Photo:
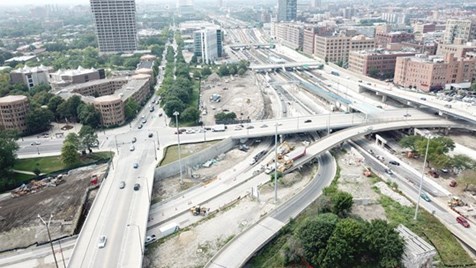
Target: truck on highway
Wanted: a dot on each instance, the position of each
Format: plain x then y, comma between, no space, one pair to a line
257,157
169,229
219,128
287,161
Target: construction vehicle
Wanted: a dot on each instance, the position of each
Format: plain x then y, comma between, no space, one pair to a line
198,210
367,172
455,202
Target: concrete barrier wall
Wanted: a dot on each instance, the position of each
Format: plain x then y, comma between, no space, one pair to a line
195,159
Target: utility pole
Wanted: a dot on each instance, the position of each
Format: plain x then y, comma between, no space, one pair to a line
178,139
421,179
276,164
49,236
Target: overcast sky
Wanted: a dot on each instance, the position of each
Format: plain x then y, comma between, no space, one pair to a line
42,2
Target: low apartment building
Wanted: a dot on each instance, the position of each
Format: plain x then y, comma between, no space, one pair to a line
289,34
63,78
378,63
110,95
336,48
433,72
459,49
13,110
383,39
30,76
423,27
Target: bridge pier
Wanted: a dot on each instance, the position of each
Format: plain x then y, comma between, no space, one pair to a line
384,98
361,89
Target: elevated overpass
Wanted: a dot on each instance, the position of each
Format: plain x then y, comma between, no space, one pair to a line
274,66
250,45
408,98
122,214
239,250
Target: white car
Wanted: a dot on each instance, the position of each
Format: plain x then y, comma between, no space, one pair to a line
102,241
132,148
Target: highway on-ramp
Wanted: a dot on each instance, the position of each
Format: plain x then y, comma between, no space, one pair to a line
239,250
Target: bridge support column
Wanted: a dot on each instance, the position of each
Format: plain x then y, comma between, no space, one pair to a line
361,89
447,131
384,98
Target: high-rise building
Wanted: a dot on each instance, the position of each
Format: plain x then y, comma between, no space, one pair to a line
287,10
185,8
315,3
461,29
115,25
208,44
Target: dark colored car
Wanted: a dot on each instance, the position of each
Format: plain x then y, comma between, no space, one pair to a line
150,135
393,162
136,187
308,121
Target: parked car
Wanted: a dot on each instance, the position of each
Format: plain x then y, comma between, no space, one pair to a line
149,239
445,170
134,139
423,99
264,125
250,127
35,143
140,126
151,134
136,187
132,148
453,183
425,197
102,241
308,121
122,184
461,220
393,162
135,165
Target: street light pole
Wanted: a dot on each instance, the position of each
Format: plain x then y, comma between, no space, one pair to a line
422,175
276,164
329,124
178,140
49,236
158,143
115,140
140,237
62,255
155,151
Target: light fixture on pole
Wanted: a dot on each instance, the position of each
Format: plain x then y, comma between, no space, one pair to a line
422,175
49,236
176,114
140,237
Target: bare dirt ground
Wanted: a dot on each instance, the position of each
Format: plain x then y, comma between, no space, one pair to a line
19,224
238,94
354,182
194,246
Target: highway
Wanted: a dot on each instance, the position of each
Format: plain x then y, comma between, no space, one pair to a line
121,214
240,249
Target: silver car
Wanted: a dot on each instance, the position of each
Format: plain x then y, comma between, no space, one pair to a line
102,241
122,185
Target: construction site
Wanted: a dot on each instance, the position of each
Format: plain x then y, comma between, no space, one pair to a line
63,196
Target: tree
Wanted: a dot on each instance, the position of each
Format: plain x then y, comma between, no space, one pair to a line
223,70
345,246
37,171
172,106
462,162
73,139
131,108
468,177
241,71
410,142
232,70
8,148
197,74
190,114
38,120
88,137
314,233
384,244
69,154
206,71
88,115
342,203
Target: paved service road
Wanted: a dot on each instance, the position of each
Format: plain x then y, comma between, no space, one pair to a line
241,248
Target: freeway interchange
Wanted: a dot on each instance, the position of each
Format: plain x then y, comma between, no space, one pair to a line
122,214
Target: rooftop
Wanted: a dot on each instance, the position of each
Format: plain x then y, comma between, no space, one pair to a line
12,98
74,72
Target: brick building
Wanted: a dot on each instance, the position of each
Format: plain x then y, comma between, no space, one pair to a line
433,72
